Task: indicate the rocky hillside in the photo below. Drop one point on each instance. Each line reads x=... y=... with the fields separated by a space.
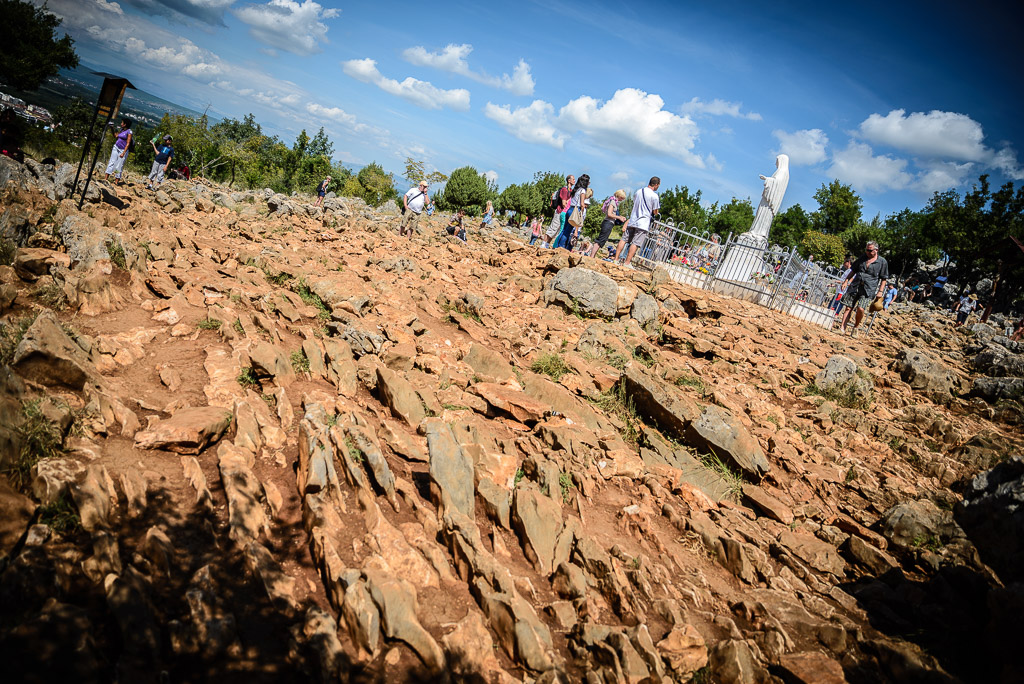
x=246 y=439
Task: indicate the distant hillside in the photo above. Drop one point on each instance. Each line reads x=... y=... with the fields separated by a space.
x=82 y=82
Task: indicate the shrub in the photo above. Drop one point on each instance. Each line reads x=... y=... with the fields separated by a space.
x=551 y=365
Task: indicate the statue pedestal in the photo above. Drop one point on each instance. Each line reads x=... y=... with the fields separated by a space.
x=743 y=258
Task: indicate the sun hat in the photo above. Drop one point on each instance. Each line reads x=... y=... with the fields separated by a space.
x=974 y=297
x=876 y=305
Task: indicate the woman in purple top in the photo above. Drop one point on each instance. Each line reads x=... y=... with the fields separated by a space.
x=120 y=150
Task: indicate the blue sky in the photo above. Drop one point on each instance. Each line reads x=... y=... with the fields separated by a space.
x=899 y=99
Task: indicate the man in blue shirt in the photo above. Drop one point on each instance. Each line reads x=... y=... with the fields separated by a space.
x=160 y=163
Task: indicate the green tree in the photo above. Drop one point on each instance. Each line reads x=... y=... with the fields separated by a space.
x=416 y=170
x=685 y=209
x=823 y=247
x=861 y=234
x=789 y=227
x=74 y=119
x=378 y=186
x=735 y=217
x=31 y=51
x=466 y=189
x=907 y=238
x=320 y=146
x=546 y=183
x=838 y=208
x=523 y=199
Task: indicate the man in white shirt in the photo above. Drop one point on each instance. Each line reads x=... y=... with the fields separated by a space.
x=646 y=205
x=414 y=201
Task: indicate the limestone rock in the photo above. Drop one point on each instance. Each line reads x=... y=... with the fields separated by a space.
x=400 y=396
x=721 y=433
x=538 y=520
x=48 y=356
x=451 y=469
x=581 y=289
x=188 y=431
x=925 y=374
x=396 y=600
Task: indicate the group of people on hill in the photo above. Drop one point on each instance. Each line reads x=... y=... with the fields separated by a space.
x=570 y=204
x=124 y=144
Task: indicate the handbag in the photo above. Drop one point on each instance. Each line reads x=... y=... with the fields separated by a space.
x=575 y=218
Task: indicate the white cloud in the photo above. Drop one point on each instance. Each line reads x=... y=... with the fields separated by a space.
x=620 y=176
x=532 y=124
x=288 y=25
x=491 y=176
x=633 y=121
x=803 y=147
x=718 y=107
x=109 y=7
x=858 y=166
x=420 y=93
x=453 y=58
x=938 y=135
x=940 y=176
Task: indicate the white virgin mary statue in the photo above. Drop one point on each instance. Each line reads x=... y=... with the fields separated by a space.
x=771 y=198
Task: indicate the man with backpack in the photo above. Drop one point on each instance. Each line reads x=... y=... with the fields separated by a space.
x=560 y=201
x=413 y=203
x=646 y=205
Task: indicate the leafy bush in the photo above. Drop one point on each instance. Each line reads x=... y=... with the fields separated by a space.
x=828 y=249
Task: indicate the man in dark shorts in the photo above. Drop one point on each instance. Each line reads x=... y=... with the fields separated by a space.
x=321 y=191
x=871 y=272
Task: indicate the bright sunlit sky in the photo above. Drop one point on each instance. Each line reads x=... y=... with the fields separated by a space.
x=898 y=99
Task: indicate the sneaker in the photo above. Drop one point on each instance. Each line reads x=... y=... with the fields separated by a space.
x=854 y=332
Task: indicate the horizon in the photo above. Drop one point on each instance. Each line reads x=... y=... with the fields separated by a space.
x=708 y=113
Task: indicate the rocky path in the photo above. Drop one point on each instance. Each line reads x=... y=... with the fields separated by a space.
x=250 y=439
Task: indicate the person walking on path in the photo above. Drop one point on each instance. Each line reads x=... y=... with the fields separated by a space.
x=837 y=303
x=872 y=273
x=535 y=228
x=122 y=144
x=413 y=203
x=964 y=309
x=488 y=214
x=321 y=191
x=611 y=217
x=560 y=203
x=576 y=208
x=646 y=205
x=164 y=153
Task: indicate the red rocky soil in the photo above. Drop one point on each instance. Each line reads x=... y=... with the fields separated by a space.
x=288 y=445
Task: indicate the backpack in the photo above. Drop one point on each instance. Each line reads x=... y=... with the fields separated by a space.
x=131 y=144
x=556 y=201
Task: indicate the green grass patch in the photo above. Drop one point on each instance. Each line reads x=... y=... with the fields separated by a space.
x=10 y=336
x=7 y=251
x=551 y=365
x=520 y=474
x=116 y=251
x=733 y=479
x=39 y=439
x=566 y=486
x=354 y=453
x=247 y=378
x=51 y=295
x=692 y=381
x=238 y=327
x=278 y=279
x=619 y=404
x=208 y=324
x=643 y=357
x=845 y=396
x=311 y=298
x=454 y=407
x=300 y=362
x=61 y=516
x=617 y=361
